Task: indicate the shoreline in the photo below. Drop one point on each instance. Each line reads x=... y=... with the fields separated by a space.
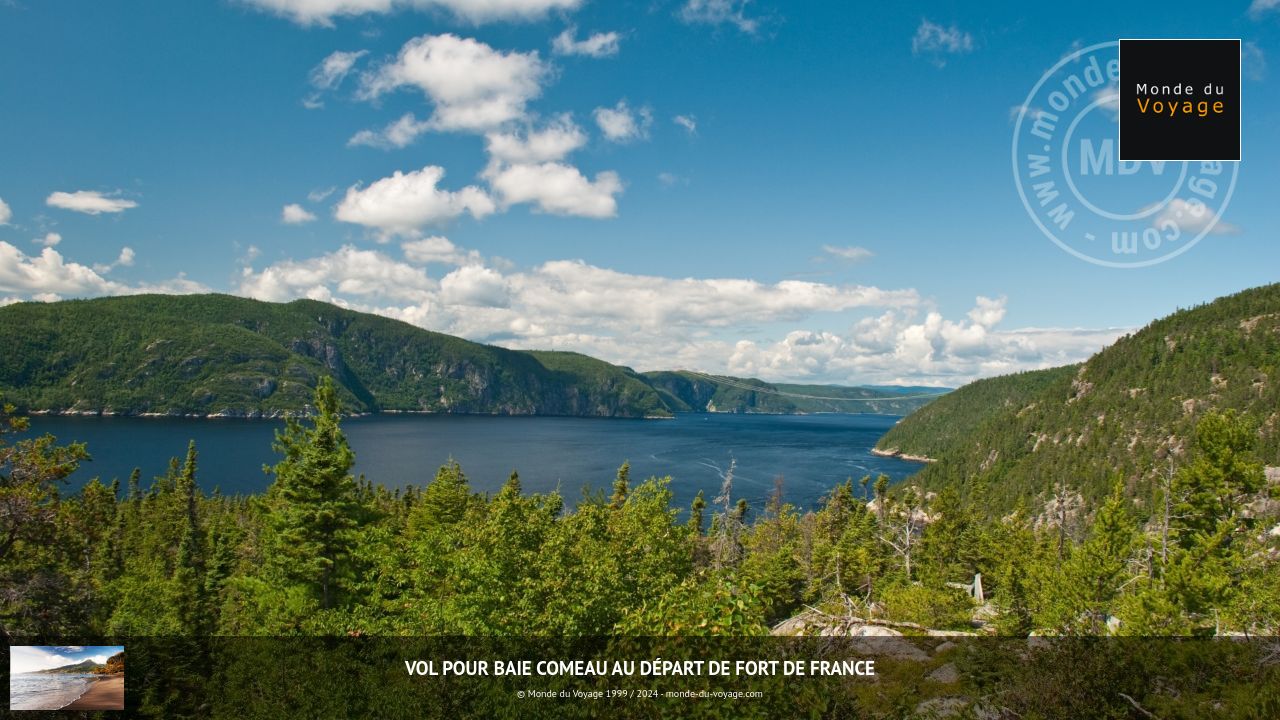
x=896 y=453
x=104 y=693
x=280 y=415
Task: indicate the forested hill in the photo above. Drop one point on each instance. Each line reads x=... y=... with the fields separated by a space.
x=949 y=423
x=84 y=666
x=1128 y=411
x=224 y=355
x=697 y=392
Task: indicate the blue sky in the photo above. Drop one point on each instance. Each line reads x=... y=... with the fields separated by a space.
x=813 y=191
x=30 y=658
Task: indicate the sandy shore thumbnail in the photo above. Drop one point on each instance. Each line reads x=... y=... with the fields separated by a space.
x=106 y=693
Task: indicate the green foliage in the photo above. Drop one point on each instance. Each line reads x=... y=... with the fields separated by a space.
x=1089 y=582
x=932 y=607
x=1208 y=492
x=43 y=580
x=1131 y=409
x=312 y=503
x=217 y=354
x=1213 y=564
x=948 y=424
x=1169 y=537
x=323 y=554
x=695 y=392
x=621 y=485
x=206 y=354
x=443 y=503
x=712 y=605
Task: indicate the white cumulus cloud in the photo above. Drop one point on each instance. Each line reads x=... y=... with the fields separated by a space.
x=720 y=325
x=901 y=347
x=89 y=202
x=324 y=12
x=398 y=134
x=472 y=86
x=437 y=249
x=621 y=124
x=125 y=259
x=1254 y=61
x=558 y=189
x=347 y=271
x=295 y=214
x=557 y=139
x=474 y=285
x=329 y=74
x=49 y=240
x=1258 y=8
x=1191 y=217
x=720 y=12
x=596 y=45
x=50 y=274
x=936 y=41
x=848 y=253
x=334 y=68
x=320 y=194
x=688 y=122
x=404 y=203
x=5 y=213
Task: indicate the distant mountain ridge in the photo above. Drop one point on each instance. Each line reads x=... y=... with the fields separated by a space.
x=220 y=355
x=1127 y=412
x=683 y=390
x=84 y=666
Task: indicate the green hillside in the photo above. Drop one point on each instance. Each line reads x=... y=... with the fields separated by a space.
x=84 y=666
x=947 y=424
x=1128 y=411
x=696 y=392
x=210 y=354
x=224 y=355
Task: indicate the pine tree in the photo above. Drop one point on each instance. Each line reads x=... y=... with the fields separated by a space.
x=697 y=514
x=444 y=501
x=312 y=502
x=1096 y=570
x=1200 y=574
x=34 y=589
x=1210 y=490
x=189 y=566
x=512 y=486
x=621 y=485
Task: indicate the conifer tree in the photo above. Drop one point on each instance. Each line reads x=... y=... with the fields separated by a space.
x=1096 y=569
x=313 y=499
x=621 y=485
x=1210 y=489
x=444 y=501
x=697 y=514
x=189 y=566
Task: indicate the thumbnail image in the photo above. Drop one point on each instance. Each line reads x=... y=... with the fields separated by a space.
x=66 y=677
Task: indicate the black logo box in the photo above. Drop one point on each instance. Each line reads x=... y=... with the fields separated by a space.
x=1185 y=64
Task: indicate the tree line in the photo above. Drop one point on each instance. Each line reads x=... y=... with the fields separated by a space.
x=322 y=552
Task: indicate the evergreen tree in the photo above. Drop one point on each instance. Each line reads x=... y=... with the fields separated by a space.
x=698 y=514
x=312 y=501
x=35 y=597
x=621 y=484
x=1096 y=570
x=1210 y=490
x=1200 y=574
x=189 y=566
x=444 y=501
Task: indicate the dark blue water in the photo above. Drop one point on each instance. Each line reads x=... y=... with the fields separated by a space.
x=812 y=452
